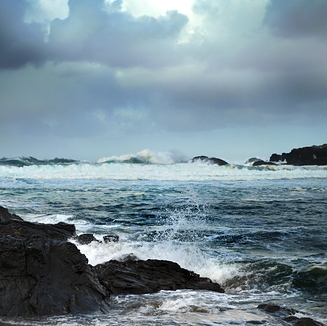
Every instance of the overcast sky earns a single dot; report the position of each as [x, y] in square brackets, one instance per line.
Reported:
[87, 79]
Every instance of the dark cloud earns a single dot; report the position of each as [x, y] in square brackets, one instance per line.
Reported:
[113, 37]
[102, 72]
[92, 32]
[20, 43]
[297, 18]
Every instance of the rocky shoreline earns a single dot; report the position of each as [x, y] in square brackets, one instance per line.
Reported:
[313, 155]
[43, 274]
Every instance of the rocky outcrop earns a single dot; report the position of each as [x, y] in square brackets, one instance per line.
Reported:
[261, 162]
[41, 273]
[134, 276]
[210, 160]
[314, 155]
[254, 161]
[87, 238]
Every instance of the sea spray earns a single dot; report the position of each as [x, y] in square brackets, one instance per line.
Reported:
[178, 237]
[260, 232]
[147, 156]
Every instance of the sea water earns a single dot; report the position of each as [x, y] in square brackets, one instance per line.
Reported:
[261, 232]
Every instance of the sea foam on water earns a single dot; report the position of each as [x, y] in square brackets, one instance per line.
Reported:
[260, 232]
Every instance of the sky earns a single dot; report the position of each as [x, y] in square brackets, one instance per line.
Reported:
[233, 79]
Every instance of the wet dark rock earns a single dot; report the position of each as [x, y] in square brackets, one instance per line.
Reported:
[46, 277]
[291, 319]
[314, 155]
[133, 276]
[86, 238]
[270, 308]
[210, 160]
[258, 162]
[305, 321]
[110, 238]
[287, 315]
[252, 160]
[261, 162]
[23, 229]
[5, 216]
[276, 158]
[41, 273]
[13, 225]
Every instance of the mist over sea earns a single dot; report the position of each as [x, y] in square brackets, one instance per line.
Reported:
[261, 232]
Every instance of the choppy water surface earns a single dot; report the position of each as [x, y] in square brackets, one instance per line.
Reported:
[259, 232]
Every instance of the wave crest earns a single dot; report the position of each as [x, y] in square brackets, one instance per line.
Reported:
[27, 161]
[147, 157]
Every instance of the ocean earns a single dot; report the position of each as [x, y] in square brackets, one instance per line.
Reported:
[261, 232]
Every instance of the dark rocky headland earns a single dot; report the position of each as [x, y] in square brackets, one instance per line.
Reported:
[42, 273]
[313, 155]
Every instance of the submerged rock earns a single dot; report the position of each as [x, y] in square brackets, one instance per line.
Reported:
[288, 315]
[210, 160]
[314, 155]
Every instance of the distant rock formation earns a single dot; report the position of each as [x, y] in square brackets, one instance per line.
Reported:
[314, 155]
[257, 162]
[41, 273]
[252, 160]
[210, 160]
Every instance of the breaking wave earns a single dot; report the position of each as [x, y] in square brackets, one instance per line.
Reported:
[147, 157]
[29, 160]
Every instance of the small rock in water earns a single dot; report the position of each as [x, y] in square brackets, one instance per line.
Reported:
[287, 315]
[110, 238]
[86, 238]
[269, 308]
[210, 160]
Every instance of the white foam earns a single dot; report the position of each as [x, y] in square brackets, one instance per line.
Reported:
[187, 255]
[160, 172]
[147, 156]
[48, 219]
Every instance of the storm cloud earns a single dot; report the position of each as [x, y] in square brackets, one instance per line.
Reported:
[101, 72]
[297, 18]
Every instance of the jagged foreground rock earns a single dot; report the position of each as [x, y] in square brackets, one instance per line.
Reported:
[41, 273]
[133, 276]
